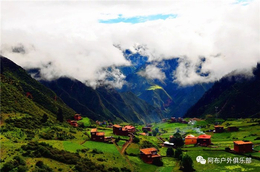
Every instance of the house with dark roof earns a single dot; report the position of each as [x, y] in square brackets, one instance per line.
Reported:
[146, 129]
[219, 129]
[173, 119]
[232, 129]
[148, 155]
[243, 147]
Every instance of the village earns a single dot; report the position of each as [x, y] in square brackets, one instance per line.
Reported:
[152, 154]
[161, 146]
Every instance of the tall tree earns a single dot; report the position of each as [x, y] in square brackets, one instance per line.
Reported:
[44, 118]
[170, 152]
[177, 140]
[187, 163]
[60, 115]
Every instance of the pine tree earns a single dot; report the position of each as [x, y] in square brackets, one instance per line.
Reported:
[60, 115]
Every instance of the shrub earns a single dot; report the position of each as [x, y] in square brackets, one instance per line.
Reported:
[157, 162]
[95, 151]
[178, 152]
[177, 140]
[170, 152]
[114, 169]
[41, 167]
[124, 169]
[136, 140]
[147, 144]
[187, 163]
[17, 164]
[100, 159]
[227, 149]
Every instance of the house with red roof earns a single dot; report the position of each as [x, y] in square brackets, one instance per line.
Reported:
[148, 155]
[77, 117]
[243, 147]
[190, 139]
[73, 123]
[129, 128]
[97, 136]
[204, 140]
[123, 131]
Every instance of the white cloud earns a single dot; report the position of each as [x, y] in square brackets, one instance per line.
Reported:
[152, 72]
[68, 35]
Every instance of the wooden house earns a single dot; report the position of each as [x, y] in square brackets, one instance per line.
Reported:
[97, 136]
[77, 117]
[73, 123]
[129, 128]
[173, 119]
[165, 120]
[146, 129]
[180, 119]
[232, 129]
[243, 147]
[118, 130]
[148, 125]
[219, 129]
[204, 140]
[148, 155]
[190, 139]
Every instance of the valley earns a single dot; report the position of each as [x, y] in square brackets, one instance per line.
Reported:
[109, 157]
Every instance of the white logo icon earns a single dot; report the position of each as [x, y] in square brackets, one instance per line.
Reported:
[201, 160]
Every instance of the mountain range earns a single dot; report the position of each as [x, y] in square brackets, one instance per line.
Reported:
[141, 100]
[23, 94]
[164, 94]
[234, 96]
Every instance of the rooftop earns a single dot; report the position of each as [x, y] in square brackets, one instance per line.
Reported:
[242, 143]
[117, 126]
[148, 151]
[218, 126]
[100, 134]
[204, 136]
[128, 127]
[190, 136]
[93, 130]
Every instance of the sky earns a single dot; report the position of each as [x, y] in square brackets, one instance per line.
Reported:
[81, 39]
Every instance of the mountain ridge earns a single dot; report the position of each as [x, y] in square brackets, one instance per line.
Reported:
[231, 97]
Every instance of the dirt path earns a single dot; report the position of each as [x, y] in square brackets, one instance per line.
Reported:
[123, 155]
[127, 144]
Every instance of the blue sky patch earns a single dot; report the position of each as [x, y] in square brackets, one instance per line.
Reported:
[138, 19]
[243, 2]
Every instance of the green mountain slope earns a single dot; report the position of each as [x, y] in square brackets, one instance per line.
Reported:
[231, 97]
[22, 94]
[103, 103]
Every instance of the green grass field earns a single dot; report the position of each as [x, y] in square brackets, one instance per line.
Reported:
[104, 147]
[109, 155]
[86, 121]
